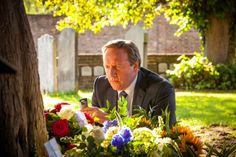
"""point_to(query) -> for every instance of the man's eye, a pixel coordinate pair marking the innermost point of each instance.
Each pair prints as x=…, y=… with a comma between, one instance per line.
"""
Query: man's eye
x=118, y=67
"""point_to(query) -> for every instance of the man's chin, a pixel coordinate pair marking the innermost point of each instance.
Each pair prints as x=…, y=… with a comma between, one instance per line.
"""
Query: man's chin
x=116, y=87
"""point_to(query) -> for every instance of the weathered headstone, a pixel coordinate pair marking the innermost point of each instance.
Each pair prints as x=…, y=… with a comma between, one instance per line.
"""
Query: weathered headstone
x=66, y=60
x=98, y=70
x=172, y=67
x=86, y=71
x=136, y=34
x=162, y=67
x=46, y=60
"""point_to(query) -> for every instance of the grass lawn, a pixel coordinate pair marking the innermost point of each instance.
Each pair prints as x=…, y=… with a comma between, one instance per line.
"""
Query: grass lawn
x=206, y=108
x=196, y=109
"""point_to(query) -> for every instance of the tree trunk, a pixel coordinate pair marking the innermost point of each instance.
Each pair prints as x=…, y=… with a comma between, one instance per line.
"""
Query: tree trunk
x=218, y=46
x=22, y=122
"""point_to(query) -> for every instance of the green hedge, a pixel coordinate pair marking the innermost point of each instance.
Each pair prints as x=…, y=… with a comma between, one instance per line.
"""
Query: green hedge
x=198, y=73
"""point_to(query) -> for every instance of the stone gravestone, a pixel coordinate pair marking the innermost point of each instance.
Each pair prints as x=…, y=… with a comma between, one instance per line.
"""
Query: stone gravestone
x=66, y=60
x=136, y=34
x=98, y=70
x=162, y=67
x=86, y=71
x=46, y=61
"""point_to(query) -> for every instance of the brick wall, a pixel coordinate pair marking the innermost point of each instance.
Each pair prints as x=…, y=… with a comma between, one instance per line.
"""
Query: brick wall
x=159, y=63
x=42, y=24
x=161, y=39
x=154, y=61
x=90, y=60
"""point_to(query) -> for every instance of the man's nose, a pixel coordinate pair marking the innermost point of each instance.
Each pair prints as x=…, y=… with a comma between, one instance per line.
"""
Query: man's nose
x=113, y=72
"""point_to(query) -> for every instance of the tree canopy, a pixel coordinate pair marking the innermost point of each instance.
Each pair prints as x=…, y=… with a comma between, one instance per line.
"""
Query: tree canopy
x=202, y=15
x=95, y=14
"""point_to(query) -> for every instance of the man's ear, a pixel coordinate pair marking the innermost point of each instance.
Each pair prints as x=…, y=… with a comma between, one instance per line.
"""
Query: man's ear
x=136, y=66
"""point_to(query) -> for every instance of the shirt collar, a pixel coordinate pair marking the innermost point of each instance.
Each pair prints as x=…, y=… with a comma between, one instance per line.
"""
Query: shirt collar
x=131, y=87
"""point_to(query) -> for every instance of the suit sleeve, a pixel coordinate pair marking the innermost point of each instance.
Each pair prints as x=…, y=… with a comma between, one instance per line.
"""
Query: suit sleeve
x=166, y=98
x=95, y=92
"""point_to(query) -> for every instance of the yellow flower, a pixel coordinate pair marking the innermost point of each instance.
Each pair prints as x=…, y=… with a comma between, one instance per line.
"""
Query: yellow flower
x=105, y=143
x=111, y=131
x=108, y=136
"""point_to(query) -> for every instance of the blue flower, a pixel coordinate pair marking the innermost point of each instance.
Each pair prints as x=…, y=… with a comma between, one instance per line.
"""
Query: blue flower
x=126, y=133
x=122, y=138
x=118, y=141
x=108, y=124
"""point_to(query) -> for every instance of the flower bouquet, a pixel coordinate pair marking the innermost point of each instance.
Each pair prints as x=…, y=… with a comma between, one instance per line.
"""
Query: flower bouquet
x=123, y=136
x=64, y=122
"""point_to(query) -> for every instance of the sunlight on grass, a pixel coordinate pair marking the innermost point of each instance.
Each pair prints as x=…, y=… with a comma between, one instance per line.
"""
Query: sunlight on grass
x=85, y=94
x=206, y=94
x=206, y=108
x=73, y=98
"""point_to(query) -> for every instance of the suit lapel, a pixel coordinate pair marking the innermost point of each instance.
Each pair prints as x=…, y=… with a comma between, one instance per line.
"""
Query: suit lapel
x=139, y=92
x=112, y=97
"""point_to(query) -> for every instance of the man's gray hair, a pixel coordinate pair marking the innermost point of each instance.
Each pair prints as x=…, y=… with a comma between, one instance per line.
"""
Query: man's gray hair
x=132, y=50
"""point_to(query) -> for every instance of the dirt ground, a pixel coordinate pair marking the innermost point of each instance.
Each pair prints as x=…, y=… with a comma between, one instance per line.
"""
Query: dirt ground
x=217, y=135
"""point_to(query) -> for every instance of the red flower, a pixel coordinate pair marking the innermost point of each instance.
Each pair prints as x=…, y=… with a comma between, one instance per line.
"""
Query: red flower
x=57, y=107
x=89, y=118
x=60, y=128
x=70, y=146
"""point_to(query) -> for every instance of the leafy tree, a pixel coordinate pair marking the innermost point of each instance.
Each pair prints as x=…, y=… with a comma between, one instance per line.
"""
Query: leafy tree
x=35, y=7
x=214, y=19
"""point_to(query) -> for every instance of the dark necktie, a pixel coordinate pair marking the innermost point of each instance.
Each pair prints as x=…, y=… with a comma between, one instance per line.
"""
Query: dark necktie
x=124, y=94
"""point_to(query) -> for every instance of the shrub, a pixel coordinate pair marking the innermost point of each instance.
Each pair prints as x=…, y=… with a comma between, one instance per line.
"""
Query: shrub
x=199, y=73
x=227, y=79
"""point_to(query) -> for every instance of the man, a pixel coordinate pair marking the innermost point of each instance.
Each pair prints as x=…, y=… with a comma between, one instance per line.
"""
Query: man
x=121, y=60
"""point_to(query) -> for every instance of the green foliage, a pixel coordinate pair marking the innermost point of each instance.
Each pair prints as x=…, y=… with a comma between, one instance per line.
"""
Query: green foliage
x=199, y=73
x=194, y=73
x=196, y=13
x=227, y=78
x=87, y=147
x=223, y=152
x=95, y=14
x=122, y=109
x=35, y=7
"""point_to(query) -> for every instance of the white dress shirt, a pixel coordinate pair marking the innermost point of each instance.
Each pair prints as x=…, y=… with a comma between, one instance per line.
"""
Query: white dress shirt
x=130, y=91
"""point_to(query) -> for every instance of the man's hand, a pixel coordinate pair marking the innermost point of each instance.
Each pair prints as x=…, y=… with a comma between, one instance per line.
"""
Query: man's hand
x=96, y=112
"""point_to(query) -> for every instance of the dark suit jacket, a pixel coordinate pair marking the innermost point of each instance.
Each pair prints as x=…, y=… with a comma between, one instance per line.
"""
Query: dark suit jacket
x=150, y=89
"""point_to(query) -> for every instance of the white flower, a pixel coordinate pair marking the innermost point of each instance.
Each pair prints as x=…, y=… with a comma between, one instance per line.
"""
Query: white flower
x=155, y=153
x=66, y=112
x=89, y=127
x=162, y=142
x=98, y=134
x=80, y=117
x=143, y=134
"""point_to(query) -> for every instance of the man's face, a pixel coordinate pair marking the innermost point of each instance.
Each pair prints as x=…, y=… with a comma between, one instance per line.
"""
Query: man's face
x=118, y=70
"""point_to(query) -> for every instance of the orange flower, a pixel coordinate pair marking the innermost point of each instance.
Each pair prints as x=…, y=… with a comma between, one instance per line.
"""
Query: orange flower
x=163, y=133
x=182, y=130
x=144, y=122
x=187, y=138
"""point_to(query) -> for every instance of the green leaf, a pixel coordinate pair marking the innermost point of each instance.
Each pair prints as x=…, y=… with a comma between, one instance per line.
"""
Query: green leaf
x=82, y=146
